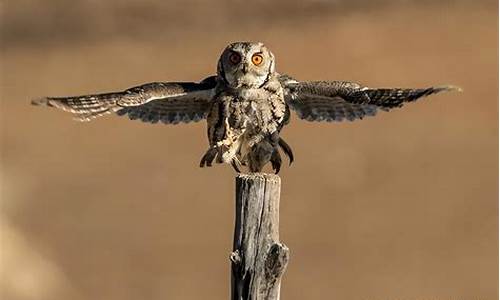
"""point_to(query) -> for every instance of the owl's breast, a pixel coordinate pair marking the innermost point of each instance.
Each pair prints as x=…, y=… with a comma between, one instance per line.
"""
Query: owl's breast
x=259, y=106
x=242, y=118
x=264, y=107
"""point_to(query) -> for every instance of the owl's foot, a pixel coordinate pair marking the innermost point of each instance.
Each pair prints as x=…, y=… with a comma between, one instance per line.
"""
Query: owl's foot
x=220, y=152
x=259, y=155
x=215, y=153
x=209, y=157
x=286, y=149
x=276, y=161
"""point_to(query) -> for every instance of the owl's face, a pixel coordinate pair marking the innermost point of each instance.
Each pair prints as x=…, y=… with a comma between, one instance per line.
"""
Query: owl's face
x=246, y=65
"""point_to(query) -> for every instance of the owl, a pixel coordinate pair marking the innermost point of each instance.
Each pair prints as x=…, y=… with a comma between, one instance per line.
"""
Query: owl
x=246, y=104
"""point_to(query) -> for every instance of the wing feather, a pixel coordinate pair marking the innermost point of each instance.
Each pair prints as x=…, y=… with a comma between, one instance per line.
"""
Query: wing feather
x=342, y=100
x=168, y=102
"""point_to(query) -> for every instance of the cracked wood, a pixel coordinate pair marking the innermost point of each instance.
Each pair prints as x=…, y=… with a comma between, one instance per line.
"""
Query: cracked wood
x=258, y=260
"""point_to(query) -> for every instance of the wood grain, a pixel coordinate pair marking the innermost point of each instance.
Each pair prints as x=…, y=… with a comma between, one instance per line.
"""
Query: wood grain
x=258, y=258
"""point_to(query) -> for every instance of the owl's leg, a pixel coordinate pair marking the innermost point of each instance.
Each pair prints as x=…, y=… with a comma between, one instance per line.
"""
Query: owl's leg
x=235, y=163
x=209, y=157
x=286, y=149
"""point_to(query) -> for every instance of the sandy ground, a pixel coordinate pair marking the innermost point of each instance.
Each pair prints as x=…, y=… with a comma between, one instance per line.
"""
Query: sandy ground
x=400, y=206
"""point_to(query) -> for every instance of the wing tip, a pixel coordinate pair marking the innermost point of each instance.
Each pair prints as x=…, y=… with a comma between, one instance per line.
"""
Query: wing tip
x=42, y=101
x=448, y=88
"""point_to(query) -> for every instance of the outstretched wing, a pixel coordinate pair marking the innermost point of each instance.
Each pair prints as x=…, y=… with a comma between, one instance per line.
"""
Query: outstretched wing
x=169, y=102
x=341, y=100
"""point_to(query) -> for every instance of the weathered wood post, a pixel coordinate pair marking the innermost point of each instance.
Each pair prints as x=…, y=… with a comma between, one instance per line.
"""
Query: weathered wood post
x=258, y=259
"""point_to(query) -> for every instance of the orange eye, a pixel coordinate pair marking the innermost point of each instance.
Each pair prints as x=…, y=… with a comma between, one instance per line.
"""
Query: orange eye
x=257, y=59
x=235, y=58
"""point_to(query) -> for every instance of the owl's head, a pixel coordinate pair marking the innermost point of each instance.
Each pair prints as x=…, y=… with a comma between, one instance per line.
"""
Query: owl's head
x=246, y=64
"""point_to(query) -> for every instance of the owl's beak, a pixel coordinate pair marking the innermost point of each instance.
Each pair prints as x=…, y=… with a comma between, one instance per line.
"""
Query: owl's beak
x=244, y=69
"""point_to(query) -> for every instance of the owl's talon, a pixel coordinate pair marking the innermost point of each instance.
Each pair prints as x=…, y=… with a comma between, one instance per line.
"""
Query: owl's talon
x=286, y=149
x=208, y=158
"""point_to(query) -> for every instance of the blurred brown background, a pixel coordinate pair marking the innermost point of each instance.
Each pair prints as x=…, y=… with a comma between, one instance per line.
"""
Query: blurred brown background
x=400, y=206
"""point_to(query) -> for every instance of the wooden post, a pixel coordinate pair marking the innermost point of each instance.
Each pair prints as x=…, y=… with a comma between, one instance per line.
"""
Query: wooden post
x=258, y=259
